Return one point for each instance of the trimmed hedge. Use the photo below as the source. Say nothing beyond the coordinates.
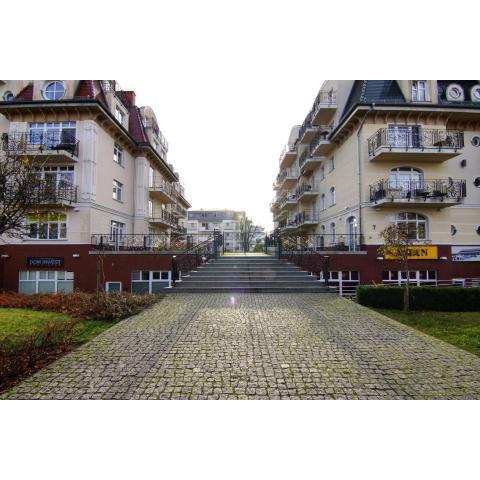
(446, 299)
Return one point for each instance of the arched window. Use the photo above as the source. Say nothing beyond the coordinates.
(322, 173)
(48, 226)
(333, 198)
(415, 224)
(322, 202)
(352, 232)
(332, 233)
(408, 178)
(8, 96)
(54, 91)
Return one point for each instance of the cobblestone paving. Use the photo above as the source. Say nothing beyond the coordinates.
(260, 346)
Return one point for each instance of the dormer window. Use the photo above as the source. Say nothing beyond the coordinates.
(54, 91)
(119, 115)
(420, 91)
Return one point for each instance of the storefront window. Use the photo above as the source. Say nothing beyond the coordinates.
(44, 281)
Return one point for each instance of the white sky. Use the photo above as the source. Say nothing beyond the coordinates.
(227, 80)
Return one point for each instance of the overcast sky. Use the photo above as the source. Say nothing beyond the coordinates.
(227, 79)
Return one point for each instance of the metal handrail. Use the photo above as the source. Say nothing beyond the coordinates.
(35, 141)
(322, 135)
(415, 137)
(419, 188)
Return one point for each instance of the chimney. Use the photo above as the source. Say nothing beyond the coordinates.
(129, 96)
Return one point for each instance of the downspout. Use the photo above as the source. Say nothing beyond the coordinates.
(359, 166)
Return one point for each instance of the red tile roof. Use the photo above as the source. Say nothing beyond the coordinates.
(26, 94)
(135, 125)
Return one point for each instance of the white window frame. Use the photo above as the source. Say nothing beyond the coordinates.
(107, 286)
(331, 164)
(55, 82)
(120, 115)
(8, 96)
(402, 277)
(335, 279)
(59, 223)
(322, 172)
(39, 132)
(419, 219)
(323, 202)
(420, 91)
(67, 276)
(118, 154)
(151, 280)
(117, 192)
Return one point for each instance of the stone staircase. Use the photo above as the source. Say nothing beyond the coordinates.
(248, 274)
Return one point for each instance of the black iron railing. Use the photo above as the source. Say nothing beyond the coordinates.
(438, 189)
(306, 187)
(320, 242)
(163, 216)
(160, 185)
(196, 255)
(42, 192)
(322, 135)
(415, 138)
(154, 242)
(287, 149)
(287, 173)
(41, 141)
(324, 98)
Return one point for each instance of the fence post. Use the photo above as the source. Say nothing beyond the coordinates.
(174, 270)
(279, 246)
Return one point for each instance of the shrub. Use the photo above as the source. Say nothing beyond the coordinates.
(21, 356)
(81, 305)
(380, 296)
(448, 299)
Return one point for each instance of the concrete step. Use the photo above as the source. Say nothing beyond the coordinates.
(246, 283)
(286, 275)
(228, 289)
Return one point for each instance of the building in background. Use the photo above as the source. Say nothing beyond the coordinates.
(375, 152)
(202, 223)
(104, 160)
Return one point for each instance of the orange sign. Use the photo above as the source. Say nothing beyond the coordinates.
(416, 253)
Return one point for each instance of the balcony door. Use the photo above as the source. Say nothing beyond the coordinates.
(406, 179)
(407, 136)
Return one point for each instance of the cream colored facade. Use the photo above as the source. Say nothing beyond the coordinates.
(116, 141)
(428, 155)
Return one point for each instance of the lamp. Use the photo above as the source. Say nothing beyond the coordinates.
(76, 255)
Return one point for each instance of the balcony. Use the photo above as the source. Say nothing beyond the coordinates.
(287, 177)
(179, 211)
(307, 191)
(307, 162)
(433, 193)
(47, 194)
(304, 218)
(414, 143)
(288, 156)
(324, 107)
(321, 145)
(163, 218)
(289, 199)
(61, 145)
(162, 190)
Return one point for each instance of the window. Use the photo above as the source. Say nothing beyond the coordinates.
(344, 281)
(331, 164)
(332, 233)
(150, 209)
(145, 281)
(47, 226)
(332, 196)
(323, 205)
(415, 224)
(407, 178)
(415, 277)
(118, 154)
(404, 136)
(322, 173)
(420, 91)
(44, 281)
(113, 287)
(8, 96)
(54, 91)
(117, 190)
(119, 115)
(53, 134)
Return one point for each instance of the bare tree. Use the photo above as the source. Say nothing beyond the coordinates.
(247, 233)
(398, 245)
(21, 188)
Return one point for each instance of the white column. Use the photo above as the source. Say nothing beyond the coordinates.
(88, 158)
(141, 195)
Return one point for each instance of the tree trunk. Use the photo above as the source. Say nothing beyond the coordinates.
(406, 297)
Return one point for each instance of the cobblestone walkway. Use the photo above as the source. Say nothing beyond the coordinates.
(302, 346)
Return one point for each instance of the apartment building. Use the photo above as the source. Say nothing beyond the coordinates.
(202, 224)
(375, 152)
(103, 161)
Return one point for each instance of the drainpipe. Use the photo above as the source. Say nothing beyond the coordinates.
(359, 165)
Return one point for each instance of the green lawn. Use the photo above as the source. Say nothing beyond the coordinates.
(17, 322)
(461, 329)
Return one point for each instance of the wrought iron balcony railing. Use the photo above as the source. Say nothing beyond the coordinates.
(160, 185)
(322, 135)
(324, 98)
(35, 142)
(163, 216)
(437, 190)
(323, 242)
(409, 138)
(287, 149)
(306, 187)
(291, 173)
